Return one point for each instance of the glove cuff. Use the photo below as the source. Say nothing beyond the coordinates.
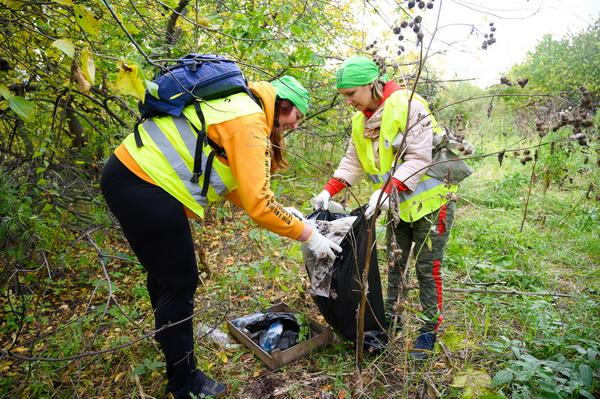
(311, 236)
(395, 183)
(334, 186)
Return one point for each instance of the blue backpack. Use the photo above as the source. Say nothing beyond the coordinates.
(193, 77)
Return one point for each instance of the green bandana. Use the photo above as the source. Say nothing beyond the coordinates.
(289, 88)
(356, 71)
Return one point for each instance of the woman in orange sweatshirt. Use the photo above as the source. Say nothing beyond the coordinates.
(149, 191)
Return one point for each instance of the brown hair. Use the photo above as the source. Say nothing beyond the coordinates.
(377, 89)
(282, 107)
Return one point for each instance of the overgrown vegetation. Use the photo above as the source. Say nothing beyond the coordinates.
(522, 276)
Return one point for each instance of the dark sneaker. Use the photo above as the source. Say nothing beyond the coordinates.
(212, 389)
(202, 387)
(423, 346)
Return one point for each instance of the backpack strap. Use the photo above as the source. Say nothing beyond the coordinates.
(206, 182)
(217, 149)
(136, 132)
(197, 172)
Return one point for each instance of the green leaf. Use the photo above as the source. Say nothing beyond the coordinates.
(15, 4)
(586, 394)
(86, 20)
(578, 348)
(454, 340)
(154, 364)
(591, 352)
(474, 383)
(64, 2)
(152, 88)
(255, 234)
(22, 107)
(586, 374)
(66, 46)
(502, 377)
(550, 393)
(5, 92)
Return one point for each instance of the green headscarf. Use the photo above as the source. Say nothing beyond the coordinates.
(356, 71)
(289, 88)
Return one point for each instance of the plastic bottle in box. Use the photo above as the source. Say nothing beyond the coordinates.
(269, 340)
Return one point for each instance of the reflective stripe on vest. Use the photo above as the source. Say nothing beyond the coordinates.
(168, 152)
(379, 179)
(177, 162)
(424, 185)
(429, 196)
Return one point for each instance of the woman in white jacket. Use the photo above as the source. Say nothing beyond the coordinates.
(392, 136)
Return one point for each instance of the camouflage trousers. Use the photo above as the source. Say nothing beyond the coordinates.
(430, 235)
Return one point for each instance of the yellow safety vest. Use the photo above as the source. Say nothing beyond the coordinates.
(167, 155)
(430, 194)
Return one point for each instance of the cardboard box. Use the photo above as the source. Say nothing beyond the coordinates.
(320, 336)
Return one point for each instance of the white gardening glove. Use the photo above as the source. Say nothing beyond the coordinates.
(321, 201)
(383, 206)
(322, 246)
(294, 211)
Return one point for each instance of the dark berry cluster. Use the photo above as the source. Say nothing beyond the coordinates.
(414, 26)
(421, 4)
(489, 38)
(459, 122)
(380, 62)
(378, 59)
(506, 81)
(580, 118)
(526, 156)
(371, 46)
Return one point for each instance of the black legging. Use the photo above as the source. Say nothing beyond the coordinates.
(155, 224)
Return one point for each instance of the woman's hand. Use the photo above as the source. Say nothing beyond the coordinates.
(321, 201)
(384, 204)
(321, 246)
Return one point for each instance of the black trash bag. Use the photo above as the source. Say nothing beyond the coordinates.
(256, 324)
(341, 312)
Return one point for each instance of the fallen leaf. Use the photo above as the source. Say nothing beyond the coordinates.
(19, 349)
(223, 357)
(118, 376)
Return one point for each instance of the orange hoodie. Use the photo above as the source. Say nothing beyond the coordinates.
(246, 142)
